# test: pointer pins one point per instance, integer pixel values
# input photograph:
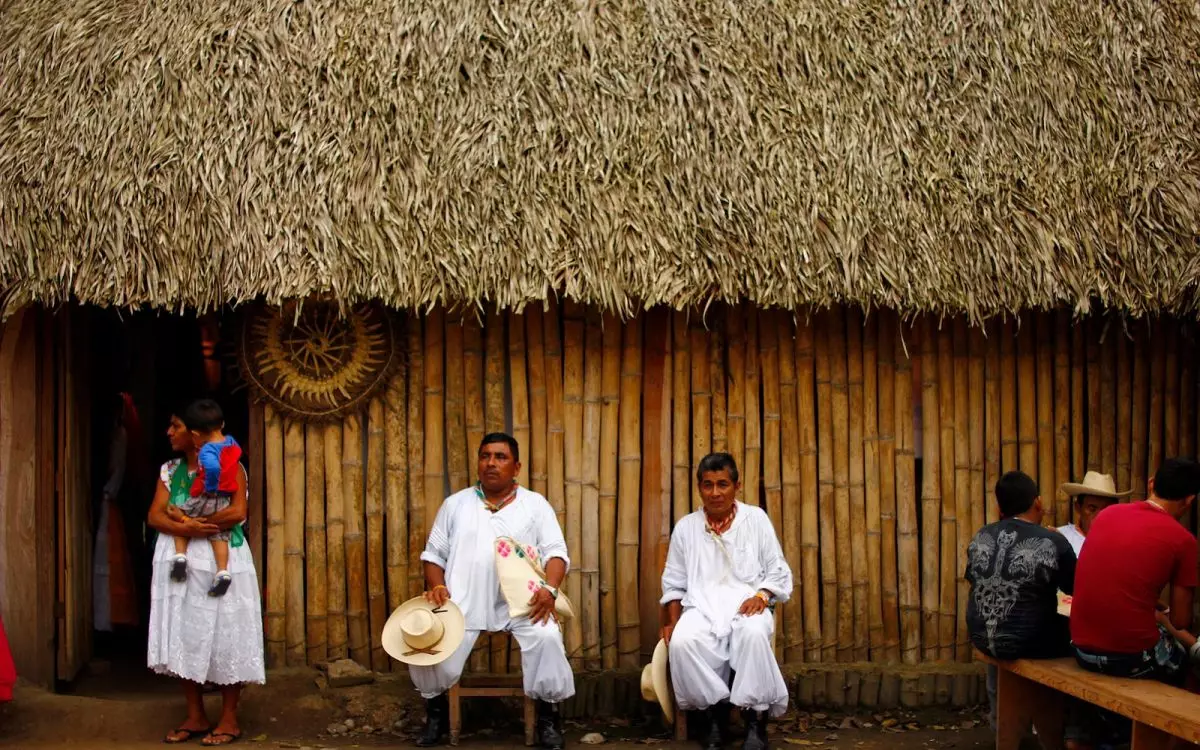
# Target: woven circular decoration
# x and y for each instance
(311, 361)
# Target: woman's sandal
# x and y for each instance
(188, 735)
(214, 735)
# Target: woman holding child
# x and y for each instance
(195, 635)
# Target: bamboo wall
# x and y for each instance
(871, 443)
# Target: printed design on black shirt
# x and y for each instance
(996, 592)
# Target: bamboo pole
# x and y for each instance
(629, 495)
(256, 500)
(335, 539)
(752, 469)
(518, 375)
(555, 408)
(1027, 397)
(1171, 392)
(874, 516)
(857, 485)
(293, 521)
(1045, 417)
(356, 551)
(1092, 360)
(655, 505)
(1154, 446)
(977, 424)
(396, 488)
(1187, 393)
(826, 502)
(473, 408)
(1108, 400)
(590, 525)
(1124, 408)
(377, 610)
(316, 590)
(991, 421)
(768, 343)
(701, 400)
(1078, 395)
(538, 450)
(458, 455)
(1141, 414)
(888, 325)
(494, 359)
(907, 541)
(790, 521)
(735, 371)
(841, 485)
(681, 461)
(417, 529)
(1062, 415)
(276, 590)
(573, 377)
(718, 367)
(963, 512)
(931, 486)
(810, 542)
(1009, 442)
(609, 426)
(947, 573)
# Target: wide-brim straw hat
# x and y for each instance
(422, 635)
(656, 685)
(521, 574)
(1097, 485)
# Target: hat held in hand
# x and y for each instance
(656, 686)
(421, 634)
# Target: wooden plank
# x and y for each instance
(276, 590)
(810, 541)
(681, 450)
(657, 504)
(377, 610)
(629, 497)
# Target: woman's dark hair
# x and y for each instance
(502, 437)
(1177, 479)
(204, 415)
(1015, 493)
(717, 462)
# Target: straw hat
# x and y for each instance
(1096, 484)
(421, 635)
(521, 575)
(656, 686)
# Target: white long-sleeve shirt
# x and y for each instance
(463, 543)
(700, 574)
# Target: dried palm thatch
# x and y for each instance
(315, 363)
(962, 156)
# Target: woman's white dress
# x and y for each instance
(197, 637)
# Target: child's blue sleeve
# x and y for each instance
(210, 461)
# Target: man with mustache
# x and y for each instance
(460, 565)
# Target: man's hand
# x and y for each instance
(755, 605)
(667, 632)
(542, 607)
(438, 595)
(200, 527)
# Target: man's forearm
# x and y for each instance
(434, 576)
(556, 571)
(674, 611)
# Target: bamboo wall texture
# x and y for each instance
(872, 443)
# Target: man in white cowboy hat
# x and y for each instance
(1095, 493)
(460, 567)
(725, 568)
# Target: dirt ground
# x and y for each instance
(135, 711)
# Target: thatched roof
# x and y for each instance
(979, 155)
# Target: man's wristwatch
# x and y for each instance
(761, 594)
(553, 591)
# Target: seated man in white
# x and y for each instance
(724, 570)
(1095, 493)
(460, 565)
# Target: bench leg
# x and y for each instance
(1146, 737)
(1021, 702)
(530, 722)
(681, 719)
(455, 715)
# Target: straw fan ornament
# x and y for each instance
(313, 361)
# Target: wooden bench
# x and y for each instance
(1031, 691)
(490, 686)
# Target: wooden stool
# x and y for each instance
(490, 686)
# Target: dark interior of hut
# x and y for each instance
(144, 366)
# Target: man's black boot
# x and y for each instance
(756, 731)
(550, 728)
(718, 726)
(437, 721)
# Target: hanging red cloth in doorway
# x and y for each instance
(8, 671)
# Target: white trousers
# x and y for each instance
(547, 674)
(700, 664)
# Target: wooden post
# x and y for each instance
(752, 470)
(573, 376)
(681, 457)
(735, 336)
(316, 591)
(810, 541)
(474, 410)
(538, 450)
(609, 424)
(356, 552)
(460, 467)
(335, 539)
(293, 520)
(629, 500)
(1141, 414)
(789, 522)
(701, 399)
(396, 489)
(908, 548)
(656, 502)
(418, 531)
(858, 499)
(1062, 416)
(1009, 441)
(889, 326)
(826, 504)
(931, 486)
(717, 384)
(555, 405)
(377, 610)
(276, 589)
(589, 597)
(1124, 407)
